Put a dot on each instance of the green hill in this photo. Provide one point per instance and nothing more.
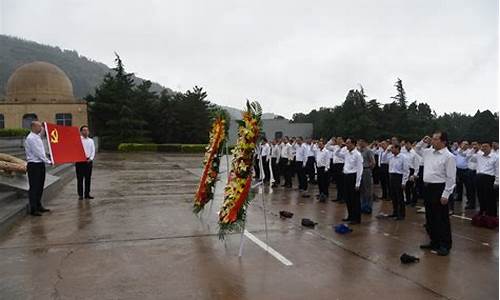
(84, 73)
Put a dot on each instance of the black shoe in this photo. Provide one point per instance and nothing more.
(43, 209)
(427, 247)
(35, 214)
(441, 251)
(80, 198)
(346, 220)
(399, 218)
(354, 222)
(89, 197)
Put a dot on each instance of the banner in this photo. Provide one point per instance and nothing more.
(65, 144)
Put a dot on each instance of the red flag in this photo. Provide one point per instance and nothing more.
(65, 144)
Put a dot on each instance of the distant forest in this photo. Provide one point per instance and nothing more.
(361, 117)
(85, 74)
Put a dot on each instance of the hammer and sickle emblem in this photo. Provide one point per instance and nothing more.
(54, 136)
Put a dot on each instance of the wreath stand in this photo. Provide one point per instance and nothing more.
(260, 185)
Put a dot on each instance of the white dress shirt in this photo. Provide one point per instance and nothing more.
(471, 164)
(399, 165)
(287, 151)
(309, 150)
(333, 149)
(322, 159)
(35, 152)
(486, 164)
(276, 151)
(300, 152)
(412, 159)
(265, 150)
(385, 156)
(88, 147)
(439, 167)
(353, 163)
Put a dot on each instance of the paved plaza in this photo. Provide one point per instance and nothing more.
(138, 239)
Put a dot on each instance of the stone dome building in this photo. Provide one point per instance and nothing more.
(40, 91)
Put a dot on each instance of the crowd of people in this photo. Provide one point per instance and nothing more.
(431, 169)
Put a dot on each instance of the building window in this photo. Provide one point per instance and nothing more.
(2, 121)
(27, 119)
(278, 134)
(64, 119)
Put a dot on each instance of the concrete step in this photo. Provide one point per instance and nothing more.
(7, 195)
(11, 211)
(14, 202)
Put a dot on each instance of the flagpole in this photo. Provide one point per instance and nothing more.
(48, 142)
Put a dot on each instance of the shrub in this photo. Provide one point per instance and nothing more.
(14, 132)
(193, 148)
(179, 148)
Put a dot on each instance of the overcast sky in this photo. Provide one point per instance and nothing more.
(292, 56)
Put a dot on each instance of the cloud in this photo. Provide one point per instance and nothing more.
(293, 56)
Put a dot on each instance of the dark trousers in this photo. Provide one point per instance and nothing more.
(287, 170)
(460, 182)
(398, 203)
(376, 171)
(310, 169)
(410, 190)
(256, 167)
(331, 172)
(301, 175)
(323, 181)
(419, 184)
(437, 216)
(275, 167)
(485, 194)
(83, 175)
(265, 165)
(470, 187)
(384, 180)
(353, 202)
(339, 180)
(36, 179)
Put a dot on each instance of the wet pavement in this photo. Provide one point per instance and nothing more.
(138, 239)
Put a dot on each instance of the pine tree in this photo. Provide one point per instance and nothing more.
(112, 109)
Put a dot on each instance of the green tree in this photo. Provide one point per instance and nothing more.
(113, 111)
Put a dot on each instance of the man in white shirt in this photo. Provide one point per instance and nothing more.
(322, 165)
(286, 161)
(385, 156)
(338, 166)
(439, 182)
(486, 170)
(399, 171)
(352, 172)
(413, 164)
(310, 161)
(84, 168)
(470, 176)
(265, 152)
(300, 166)
(36, 158)
(275, 158)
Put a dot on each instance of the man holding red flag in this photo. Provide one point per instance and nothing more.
(36, 158)
(84, 168)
